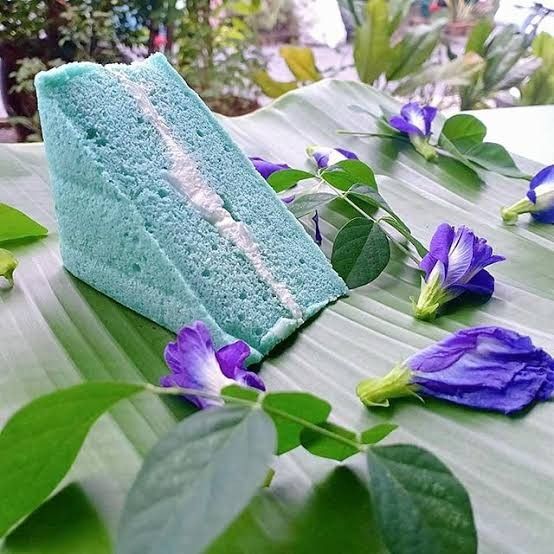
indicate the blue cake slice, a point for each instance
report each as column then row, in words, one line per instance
column 160, row 210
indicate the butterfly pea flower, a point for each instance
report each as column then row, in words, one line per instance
column 539, row 201
column 265, row 168
column 454, row 265
column 195, row 364
column 415, row 122
column 489, row 368
column 325, row 156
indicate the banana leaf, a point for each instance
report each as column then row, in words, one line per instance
column 56, row 331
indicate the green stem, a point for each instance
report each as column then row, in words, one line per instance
column 176, row 391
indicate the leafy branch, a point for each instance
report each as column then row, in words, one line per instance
column 200, row 476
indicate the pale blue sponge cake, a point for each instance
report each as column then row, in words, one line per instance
column 160, row 210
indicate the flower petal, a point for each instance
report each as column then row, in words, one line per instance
column 265, row 168
column 482, row 283
column 460, row 256
column 400, row 124
column 231, row 358
column 413, row 113
column 485, row 367
column 347, row 154
column 429, row 114
column 324, row 156
column 438, row 248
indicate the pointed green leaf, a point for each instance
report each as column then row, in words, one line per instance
column 40, row 442
column 286, row 178
column 270, row 87
column 242, row 393
column 299, row 405
column 419, row 504
column 495, row 157
column 196, row 481
column 361, row 252
column 307, row 203
column 464, row 131
column 15, row 225
column 478, row 36
column 326, row 446
column 377, row 433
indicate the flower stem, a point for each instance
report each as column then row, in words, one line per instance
column 176, row 391
column 510, row 215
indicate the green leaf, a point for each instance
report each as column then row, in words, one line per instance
column 196, row 481
column 298, row 404
column 457, row 72
column 539, row 89
column 495, row 157
column 478, row 36
column 8, row 264
column 326, row 446
column 66, row 524
column 372, row 42
column 347, row 173
column 361, row 252
column 414, row 49
column 377, row 433
column 286, row 178
column 307, row 203
column 398, row 10
column 301, row 62
column 464, row 131
column 15, row 225
column 242, row 393
column 420, row 506
column 40, row 442
column 270, row 87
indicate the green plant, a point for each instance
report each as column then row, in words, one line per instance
column 216, row 52
column 540, row 87
column 506, row 63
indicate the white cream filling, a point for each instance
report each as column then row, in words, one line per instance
column 185, row 177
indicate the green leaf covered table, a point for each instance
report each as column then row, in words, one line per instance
column 56, row 331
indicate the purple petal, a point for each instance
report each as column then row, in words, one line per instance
column 460, row 256
column 400, row 124
column 347, row 154
column 413, row 113
column 544, row 216
column 231, row 358
column 438, row 248
column 265, row 168
column 288, row 199
column 482, row 284
column 485, row 367
column 543, row 177
column 249, row 379
column 318, row 238
column 429, row 114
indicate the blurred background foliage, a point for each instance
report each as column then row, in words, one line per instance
column 446, row 52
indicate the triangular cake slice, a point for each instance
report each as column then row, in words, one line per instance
column 160, row 210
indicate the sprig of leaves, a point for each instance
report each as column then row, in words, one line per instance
column 14, row 226
column 199, row 477
column 462, row 138
column 361, row 249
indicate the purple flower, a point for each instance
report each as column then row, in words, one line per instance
column 415, row 122
column 324, row 156
column 539, row 201
column 195, row 364
column 454, row 265
column 317, row 237
column 265, row 168
column 483, row 367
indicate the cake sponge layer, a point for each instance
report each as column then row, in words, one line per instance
column 160, row 210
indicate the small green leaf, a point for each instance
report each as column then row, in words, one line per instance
column 307, row 203
column 40, row 442
column 15, row 225
column 495, row 157
column 196, row 481
column 242, row 393
column 361, row 252
column 326, row 446
column 419, row 504
column 478, row 36
column 464, row 131
column 348, row 173
column 286, row 178
column 377, row 433
column 298, row 404
column 8, row 264
column 369, row 195
column 301, row 62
